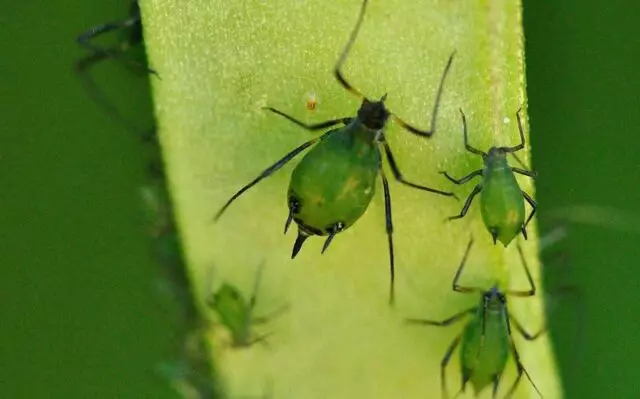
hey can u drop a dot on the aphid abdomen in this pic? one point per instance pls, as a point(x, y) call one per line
point(502, 203)
point(482, 363)
point(334, 182)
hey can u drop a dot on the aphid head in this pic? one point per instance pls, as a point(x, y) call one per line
point(494, 299)
point(227, 300)
point(373, 114)
point(495, 153)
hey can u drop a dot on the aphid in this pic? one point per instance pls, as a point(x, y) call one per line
point(502, 200)
point(129, 50)
point(236, 314)
point(311, 101)
point(486, 340)
point(332, 186)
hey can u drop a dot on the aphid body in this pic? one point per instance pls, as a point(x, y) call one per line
point(485, 342)
point(332, 186)
point(334, 183)
point(235, 313)
point(484, 355)
point(501, 199)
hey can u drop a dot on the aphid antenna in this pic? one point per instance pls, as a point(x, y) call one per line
point(467, 146)
point(341, 79)
point(256, 285)
point(521, 131)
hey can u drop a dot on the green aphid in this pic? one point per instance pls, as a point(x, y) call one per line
point(501, 199)
point(236, 313)
point(128, 49)
point(486, 341)
point(332, 186)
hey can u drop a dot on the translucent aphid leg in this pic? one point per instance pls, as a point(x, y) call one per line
point(532, 287)
point(462, 180)
point(531, 202)
point(457, 287)
point(400, 178)
point(467, 203)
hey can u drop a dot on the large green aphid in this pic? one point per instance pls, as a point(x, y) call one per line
point(128, 49)
point(236, 313)
point(486, 341)
point(332, 186)
point(501, 199)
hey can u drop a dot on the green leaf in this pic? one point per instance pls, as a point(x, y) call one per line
point(220, 62)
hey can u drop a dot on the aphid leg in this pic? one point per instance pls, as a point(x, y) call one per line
point(389, 228)
point(523, 293)
point(466, 138)
point(345, 52)
point(270, 170)
point(446, 322)
point(312, 127)
point(525, 334)
point(521, 370)
point(398, 175)
point(97, 95)
point(525, 172)
point(517, 158)
point(455, 286)
point(531, 202)
point(268, 317)
point(464, 179)
point(443, 364)
point(260, 338)
point(434, 112)
point(85, 41)
point(467, 203)
point(521, 130)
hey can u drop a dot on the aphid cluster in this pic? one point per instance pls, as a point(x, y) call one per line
point(332, 186)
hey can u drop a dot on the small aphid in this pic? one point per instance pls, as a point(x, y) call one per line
point(311, 101)
point(502, 200)
point(236, 313)
point(129, 50)
point(332, 186)
point(486, 340)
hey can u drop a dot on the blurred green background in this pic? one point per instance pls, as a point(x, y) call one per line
point(82, 316)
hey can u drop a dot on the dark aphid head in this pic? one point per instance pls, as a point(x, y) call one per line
point(494, 299)
point(495, 153)
point(373, 114)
